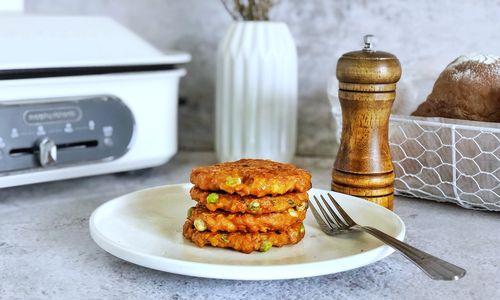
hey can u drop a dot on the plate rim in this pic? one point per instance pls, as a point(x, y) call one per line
point(198, 269)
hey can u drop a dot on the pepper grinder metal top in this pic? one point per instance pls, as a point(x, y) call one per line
point(367, 88)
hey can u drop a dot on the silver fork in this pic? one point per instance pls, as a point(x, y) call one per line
point(334, 223)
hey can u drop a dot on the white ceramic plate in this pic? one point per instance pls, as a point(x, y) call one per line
point(145, 228)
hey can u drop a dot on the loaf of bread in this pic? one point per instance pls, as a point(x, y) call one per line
point(469, 89)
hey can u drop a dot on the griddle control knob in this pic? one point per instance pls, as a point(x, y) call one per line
point(47, 152)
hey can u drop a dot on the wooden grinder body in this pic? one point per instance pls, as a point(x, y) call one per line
point(367, 85)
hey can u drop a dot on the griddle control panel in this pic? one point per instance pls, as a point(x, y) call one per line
point(50, 133)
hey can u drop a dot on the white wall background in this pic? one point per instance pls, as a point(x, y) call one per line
point(426, 35)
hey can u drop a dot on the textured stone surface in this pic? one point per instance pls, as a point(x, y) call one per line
point(425, 35)
point(46, 251)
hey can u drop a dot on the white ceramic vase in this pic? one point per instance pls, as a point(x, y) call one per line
point(256, 92)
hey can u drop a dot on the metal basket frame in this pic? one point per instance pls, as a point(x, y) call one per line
point(468, 168)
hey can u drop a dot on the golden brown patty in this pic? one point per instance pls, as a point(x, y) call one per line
point(223, 221)
point(244, 242)
point(249, 204)
point(257, 177)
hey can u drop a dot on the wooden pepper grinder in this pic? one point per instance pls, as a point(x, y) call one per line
point(367, 88)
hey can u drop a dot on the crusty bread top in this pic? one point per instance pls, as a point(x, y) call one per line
point(469, 89)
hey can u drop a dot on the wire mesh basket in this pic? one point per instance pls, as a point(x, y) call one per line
point(447, 160)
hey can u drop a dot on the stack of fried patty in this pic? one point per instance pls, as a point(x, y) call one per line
point(248, 205)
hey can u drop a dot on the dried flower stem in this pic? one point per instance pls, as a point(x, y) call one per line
point(250, 10)
point(234, 16)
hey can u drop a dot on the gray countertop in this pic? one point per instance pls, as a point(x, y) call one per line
point(46, 250)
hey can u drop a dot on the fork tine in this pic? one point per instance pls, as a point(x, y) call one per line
point(344, 214)
point(328, 219)
point(319, 219)
point(334, 214)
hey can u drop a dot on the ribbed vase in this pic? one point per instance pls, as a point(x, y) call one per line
point(256, 92)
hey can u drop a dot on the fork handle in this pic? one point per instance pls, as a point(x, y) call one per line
point(434, 267)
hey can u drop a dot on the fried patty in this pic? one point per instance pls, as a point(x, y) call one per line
point(223, 221)
point(249, 204)
point(257, 177)
point(244, 242)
